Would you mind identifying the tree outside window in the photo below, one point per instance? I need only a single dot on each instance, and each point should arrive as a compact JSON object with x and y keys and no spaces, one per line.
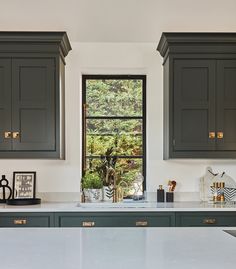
{"x":114,"y":126}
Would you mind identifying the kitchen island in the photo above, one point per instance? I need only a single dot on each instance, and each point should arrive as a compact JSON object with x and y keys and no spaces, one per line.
{"x":117,"y":248}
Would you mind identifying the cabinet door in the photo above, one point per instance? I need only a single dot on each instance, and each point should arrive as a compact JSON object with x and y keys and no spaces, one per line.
{"x":112,"y":219}
{"x":5,"y":103}
{"x":21,"y":220}
{"x":194,"y":104}
{"x":205,"y":219}
{"x":226,"y":104}
{"x":33,"y":104}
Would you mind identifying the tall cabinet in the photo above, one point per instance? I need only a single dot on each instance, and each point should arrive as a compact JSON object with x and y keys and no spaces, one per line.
{"x":32,"y":94}
{"x":199,"y":94}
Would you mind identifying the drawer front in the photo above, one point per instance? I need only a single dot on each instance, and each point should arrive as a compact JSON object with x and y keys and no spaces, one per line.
{"x":26,"y":220}
{"x":114,"y":220}
{"x":206,"y":219}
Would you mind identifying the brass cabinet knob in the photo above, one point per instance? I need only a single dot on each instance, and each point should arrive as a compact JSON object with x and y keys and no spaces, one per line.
{"x":88,"y":223}
{"x":20,"y":221}
{"x":141,"y":223}
{"x":15,"y":135}
{"x":7,"y":135}
{"x":220,"y":135}
{"x":209,"y":221}
{"x":212,"y":135}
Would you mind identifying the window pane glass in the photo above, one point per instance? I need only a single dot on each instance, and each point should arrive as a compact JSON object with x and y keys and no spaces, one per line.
{"x":126,"y":169}
{"x":125,"y":136}
{"x":114,"y":126}
{"x":130,"y":145}
{"x":114,"y":97}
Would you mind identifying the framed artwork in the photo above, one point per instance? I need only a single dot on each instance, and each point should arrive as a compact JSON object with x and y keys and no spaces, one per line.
{"x":24,"y":184}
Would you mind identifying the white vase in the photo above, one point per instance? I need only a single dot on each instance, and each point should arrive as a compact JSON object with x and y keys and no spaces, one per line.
{"x":107,"y":193}
{"x":93,"y":195}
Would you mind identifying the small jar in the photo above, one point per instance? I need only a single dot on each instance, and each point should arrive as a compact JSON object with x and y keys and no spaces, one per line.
{"x":222,"y":193}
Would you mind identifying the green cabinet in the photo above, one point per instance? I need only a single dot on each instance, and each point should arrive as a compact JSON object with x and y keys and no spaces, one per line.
{"x":111,"y":219}
{"x":31,"y":94}
{"x":203,"y":219}
{"x":199,"y":95}
{"x":20,"y":220}
{"x":117,"y":219}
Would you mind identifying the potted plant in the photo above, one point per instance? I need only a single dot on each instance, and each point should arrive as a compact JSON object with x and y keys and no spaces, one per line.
{"x":92,"y":186}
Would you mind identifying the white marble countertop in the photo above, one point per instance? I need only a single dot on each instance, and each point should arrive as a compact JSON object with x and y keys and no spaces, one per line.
{"x":120,"y":207}
{"x":117,"y":248}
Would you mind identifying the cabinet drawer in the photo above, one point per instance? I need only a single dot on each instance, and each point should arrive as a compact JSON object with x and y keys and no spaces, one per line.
{"x":115,"y":220}
{"x":198,"y":219}
{"x":26,"y":220}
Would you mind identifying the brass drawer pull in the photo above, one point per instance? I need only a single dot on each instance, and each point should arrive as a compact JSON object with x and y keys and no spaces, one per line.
{"x":20,"y":221}
{"x":209,"y":221}
{"x":212,"y":135}
{"x":220,"y":135}
{"x":141,"y":223}
{"x":15,"y":135}
{"x":88,"y":223}
{"x":7,"y":135}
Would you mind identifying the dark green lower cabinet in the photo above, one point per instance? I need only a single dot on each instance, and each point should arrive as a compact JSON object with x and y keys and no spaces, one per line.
{"x":204,"y":219}
{"x":118,"y":219}
{"x":129,"y":219}
{"x":26,"y":220}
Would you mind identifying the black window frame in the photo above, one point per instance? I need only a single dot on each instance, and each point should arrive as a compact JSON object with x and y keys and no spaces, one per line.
{"x":143,"y":118}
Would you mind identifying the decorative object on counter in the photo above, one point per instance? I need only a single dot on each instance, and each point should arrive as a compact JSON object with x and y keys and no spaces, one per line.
{"x":171,"y":185}
{"x":24,"y":201}
{"x":169,"y":196}
{"x":170,"y":192}
{"x":92,"y":187}
{"x":160,"y":194}
{"x":206,"y":185}
{"x":137,"y":186}
{"x":24,"y":184}
{"x":24,"y":188}
{"x":4,"y":184}
{"x":227,"y":195}
{"x":108,"y":174}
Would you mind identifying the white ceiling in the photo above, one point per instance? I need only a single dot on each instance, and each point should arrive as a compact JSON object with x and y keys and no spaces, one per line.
{"x":117,"y":20}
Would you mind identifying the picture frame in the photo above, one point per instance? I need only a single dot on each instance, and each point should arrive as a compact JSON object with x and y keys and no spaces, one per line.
{"x":24,"y":185}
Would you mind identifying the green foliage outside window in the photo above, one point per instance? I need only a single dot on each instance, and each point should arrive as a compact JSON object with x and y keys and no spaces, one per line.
{"x":109,"y":99}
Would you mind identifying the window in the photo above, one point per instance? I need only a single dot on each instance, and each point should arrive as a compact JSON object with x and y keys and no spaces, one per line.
{"x":114,"y":125}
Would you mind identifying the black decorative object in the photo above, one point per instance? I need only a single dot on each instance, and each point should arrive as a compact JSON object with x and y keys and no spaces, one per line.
{"x":169,"y":197}
{"x":26,"y":201}
{"x":4,"y":184}
{"x":160,"y":194}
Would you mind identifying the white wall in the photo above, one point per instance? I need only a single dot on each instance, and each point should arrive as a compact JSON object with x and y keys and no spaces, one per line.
{"x":121,"y":58}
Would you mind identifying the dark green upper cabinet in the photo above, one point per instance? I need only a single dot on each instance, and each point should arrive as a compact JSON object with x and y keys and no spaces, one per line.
{"x":32,"y":94}
{"x":199,"y":94}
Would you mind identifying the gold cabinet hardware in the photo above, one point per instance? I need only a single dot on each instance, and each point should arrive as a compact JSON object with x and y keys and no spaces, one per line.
{"x":141,"y":223}
{"x":15,"y":135}
{"x":7,"y":135}
{"x":20,"y":221}
{"x":212,"y":135}
{"x":220,"y":135}
{"x":88,"y":223}
{"x":209,"y":221}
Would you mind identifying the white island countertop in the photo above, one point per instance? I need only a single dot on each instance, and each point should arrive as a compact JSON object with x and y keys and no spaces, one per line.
{"x":117,"y":248}
{"x":121,"y":207}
